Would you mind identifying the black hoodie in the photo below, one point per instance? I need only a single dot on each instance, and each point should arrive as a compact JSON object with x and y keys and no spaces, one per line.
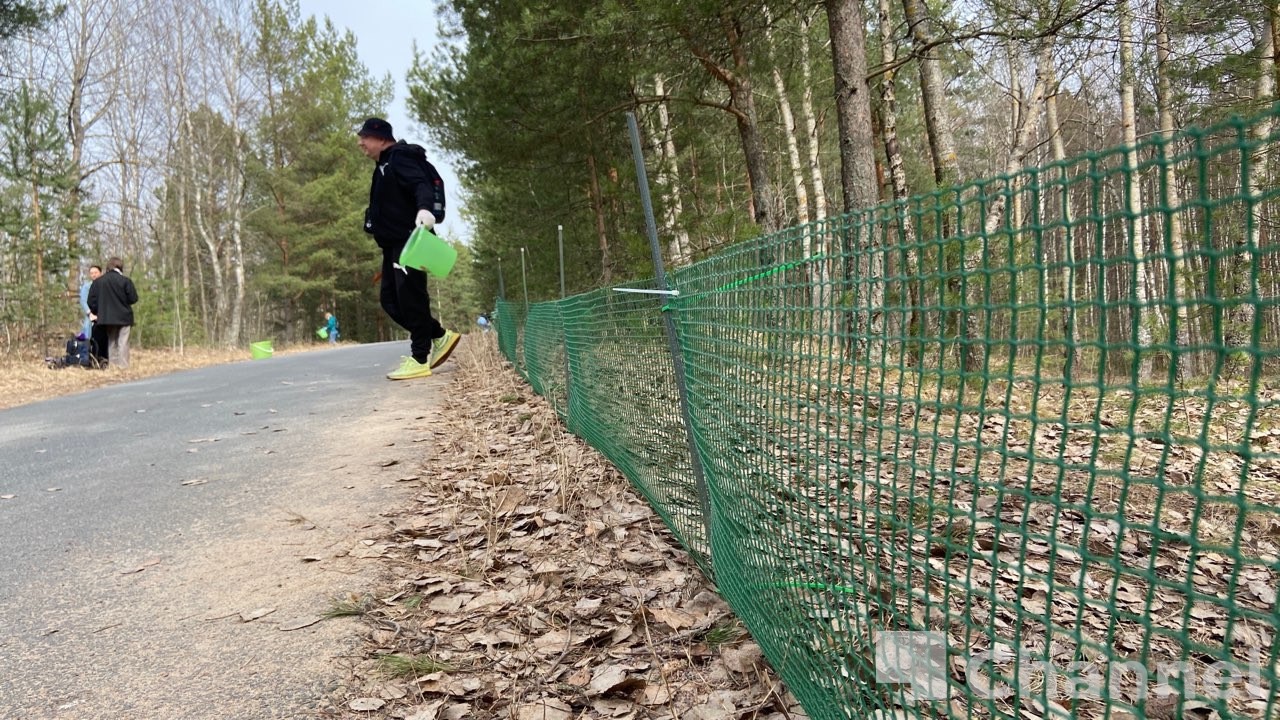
{"x":403,"y":183}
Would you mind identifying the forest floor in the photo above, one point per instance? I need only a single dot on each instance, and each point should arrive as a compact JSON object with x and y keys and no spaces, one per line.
{"x":529,"y":581}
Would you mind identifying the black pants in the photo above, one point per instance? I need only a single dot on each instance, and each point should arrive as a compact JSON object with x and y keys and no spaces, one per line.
{"x":404,"y":297}
{"x":99,"y":338}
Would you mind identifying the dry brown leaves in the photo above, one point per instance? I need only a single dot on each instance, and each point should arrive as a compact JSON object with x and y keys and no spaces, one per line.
{"x":27,"y":379}
{"x":534,"y":584}
{"x":1105,"y":528}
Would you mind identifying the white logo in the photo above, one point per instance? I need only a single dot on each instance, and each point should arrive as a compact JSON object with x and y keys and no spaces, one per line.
{"x":918,"y":659}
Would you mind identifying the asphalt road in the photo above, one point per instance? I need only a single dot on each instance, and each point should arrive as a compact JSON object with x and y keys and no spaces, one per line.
{"x":142,"y":523}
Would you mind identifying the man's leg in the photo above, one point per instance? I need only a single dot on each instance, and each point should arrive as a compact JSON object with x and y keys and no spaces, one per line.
{"x":414,"y":306}
{"x":100,"y":343}
{"x":122,"y":344}
{"x":387,"y":289}
{"x":113,"y":346}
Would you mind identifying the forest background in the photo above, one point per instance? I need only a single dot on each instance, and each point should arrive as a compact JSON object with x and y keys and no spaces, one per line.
{"x":211,"y":145}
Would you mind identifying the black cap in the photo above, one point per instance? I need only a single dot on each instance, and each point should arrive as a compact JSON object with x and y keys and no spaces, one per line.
{"x":376,"y":127}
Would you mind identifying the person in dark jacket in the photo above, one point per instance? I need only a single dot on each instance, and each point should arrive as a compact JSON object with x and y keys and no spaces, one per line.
{"x":111,"y":300}
{"x":406,"y":192}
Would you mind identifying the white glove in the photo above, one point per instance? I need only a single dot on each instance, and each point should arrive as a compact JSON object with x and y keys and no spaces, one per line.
{"x":425,"y":219}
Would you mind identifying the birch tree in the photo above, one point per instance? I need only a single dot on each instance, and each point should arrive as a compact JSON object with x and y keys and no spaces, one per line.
{"x":813,"y":141}
{"x":668,"y":179}
{"x":1256,"y":177}
{"x":1022,"y":132}
{"x":1065,"y":235}
{"x":906,"y":236}
{"x":1144,"y":314}
{"x":81,"y":67}
{"x":788,"y":129}
{"x":1179,"y":267}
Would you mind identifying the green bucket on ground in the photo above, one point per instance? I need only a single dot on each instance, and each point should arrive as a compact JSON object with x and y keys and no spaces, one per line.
{"x":427,"y":251}
{"x":261,"y":350}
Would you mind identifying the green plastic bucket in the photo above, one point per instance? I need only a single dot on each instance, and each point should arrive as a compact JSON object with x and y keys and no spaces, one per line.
{"x":323,"y":333}
{"x":427,"y":251}
{"x":261,"y":350}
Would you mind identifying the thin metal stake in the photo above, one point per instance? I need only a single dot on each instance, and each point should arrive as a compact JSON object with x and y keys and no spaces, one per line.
{"x":673,"y":341}
{"x":524,"y":280}
{"x":568,"y":373}
{"x":560,"y":242}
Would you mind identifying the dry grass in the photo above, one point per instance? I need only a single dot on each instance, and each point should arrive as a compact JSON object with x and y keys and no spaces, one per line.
{"x":27,"y":379}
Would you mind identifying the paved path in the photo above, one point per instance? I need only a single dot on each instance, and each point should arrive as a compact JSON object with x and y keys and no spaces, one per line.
{"x":146,"y":518}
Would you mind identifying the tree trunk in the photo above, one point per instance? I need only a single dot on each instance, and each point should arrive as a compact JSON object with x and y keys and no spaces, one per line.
{"x":37,"y":240}
{"x":198,"y":210}
{"x":236,"y":197}
{"x":788,"y":130}
{"x":743,"y":108}
{"x":1172,"y":195}
{"x":821,"y":270}
{"x":970,"y":356}
{"x":863,"y":258}
{"x":1144,"y":316}
{"x":83,"y":35}
{"x":597,"y":209}
{"x":897,"y":170}
{"x":811,"y":125}
{"x":937,"y":121}
{"x":678,"y":249}
{"x":1256,"y":178}
{"x":1067,"y":232}
{"x":946,"y":164}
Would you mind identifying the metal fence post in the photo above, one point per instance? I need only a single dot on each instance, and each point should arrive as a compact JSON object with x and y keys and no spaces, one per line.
{"x":560,"y":242}
{"x":524,"y":281}
{"x":568,"y":397}
{"x":502,"y":290}
{"x":673,"y":341}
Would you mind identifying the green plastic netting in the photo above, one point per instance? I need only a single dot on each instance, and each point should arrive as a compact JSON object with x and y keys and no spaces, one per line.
{"x":1008,"y":450}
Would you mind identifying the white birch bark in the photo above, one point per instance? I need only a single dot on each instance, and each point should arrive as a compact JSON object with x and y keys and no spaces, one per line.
{"x":1264,"y":95}
{"x":788,"y":130}
{"x":1054,"y":128}
{"x":1022,"y":134}
{"x":811,"y":124}
{"x":679,"y":248}
{"x":1172,"y":194}
{"x":1144,"y":313}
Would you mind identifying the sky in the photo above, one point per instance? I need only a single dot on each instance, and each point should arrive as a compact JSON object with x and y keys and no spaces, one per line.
{"x":385,"y":32}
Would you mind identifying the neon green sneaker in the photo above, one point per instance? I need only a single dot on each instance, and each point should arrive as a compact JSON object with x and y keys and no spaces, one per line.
{"x":441,"y":347}
{"x":409,"y":368}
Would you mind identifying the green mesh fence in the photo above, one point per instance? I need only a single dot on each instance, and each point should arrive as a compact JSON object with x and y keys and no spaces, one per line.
{"x":544,"y":358}
{"x":1009,"y":450}
{"x":509,"y":323}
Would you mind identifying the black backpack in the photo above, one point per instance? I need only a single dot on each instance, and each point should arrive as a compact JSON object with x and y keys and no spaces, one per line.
{"x":78,"y":353}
